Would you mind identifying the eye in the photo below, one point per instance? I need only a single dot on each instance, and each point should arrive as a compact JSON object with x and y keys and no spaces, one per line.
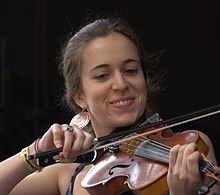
{"x":101,"y":76}
{"x":131,"y":71}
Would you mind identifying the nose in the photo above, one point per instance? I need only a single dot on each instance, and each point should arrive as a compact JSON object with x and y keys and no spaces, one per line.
{"x":119,"y":82}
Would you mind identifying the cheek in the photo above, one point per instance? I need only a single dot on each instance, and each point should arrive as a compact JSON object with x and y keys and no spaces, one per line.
{"x":93,"y":97}
{"x":143,"y":90}
{"x":142,"y":86}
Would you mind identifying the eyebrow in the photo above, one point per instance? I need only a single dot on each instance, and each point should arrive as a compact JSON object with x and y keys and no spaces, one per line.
{"x":99,"y":66}
{"x":131,"y":60}
{"x":107,"y":65}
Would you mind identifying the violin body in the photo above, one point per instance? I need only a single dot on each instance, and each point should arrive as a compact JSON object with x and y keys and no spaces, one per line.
{"x":124,"y":171}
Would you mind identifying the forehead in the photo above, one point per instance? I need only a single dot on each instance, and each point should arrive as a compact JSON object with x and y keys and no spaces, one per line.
{"x":109,"y":49}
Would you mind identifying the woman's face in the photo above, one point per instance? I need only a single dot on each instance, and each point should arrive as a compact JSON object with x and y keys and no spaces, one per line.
{"x":113,"y":87}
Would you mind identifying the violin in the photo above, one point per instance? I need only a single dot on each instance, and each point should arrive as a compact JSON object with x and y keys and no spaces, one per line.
{"x":141,"y":164}
{"x":138,"y":161}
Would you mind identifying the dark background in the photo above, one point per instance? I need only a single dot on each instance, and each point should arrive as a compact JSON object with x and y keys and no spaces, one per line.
{"x":32,"y":32}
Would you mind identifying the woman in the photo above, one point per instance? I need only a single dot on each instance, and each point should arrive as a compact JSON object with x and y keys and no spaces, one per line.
{"x":106,"y":74}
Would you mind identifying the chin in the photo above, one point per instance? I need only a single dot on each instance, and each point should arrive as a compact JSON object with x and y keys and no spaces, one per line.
{"x":124,"y":122}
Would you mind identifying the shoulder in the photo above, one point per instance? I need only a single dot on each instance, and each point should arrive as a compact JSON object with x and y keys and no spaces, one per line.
{"x":65,"y":173}
{"x":59,"y":168}
{"x":62,"y":172}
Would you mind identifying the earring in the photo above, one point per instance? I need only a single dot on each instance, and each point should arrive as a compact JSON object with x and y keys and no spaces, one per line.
{"x":81,"y":119}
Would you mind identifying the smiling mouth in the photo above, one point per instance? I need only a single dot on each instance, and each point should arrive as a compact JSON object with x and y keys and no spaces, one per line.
{"x":123,"y":102}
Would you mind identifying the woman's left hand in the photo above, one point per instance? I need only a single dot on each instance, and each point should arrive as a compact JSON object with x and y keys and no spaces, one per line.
{"x":183,"y":174}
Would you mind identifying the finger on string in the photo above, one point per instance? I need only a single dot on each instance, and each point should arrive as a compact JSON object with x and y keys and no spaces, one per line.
{"x":173,"y":156}
{"x":193,"y":163}
{"x":190,"y":148}
{"x":180,"y":154}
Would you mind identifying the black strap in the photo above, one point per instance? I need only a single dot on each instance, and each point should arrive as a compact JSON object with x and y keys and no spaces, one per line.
{"x":73,"y":177}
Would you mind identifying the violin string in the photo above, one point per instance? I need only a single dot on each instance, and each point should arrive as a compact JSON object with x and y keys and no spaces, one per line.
{"x":208,"y":167}
{"x":156,"y":144}
{"x":212,"y":171}
{"x":162,"y":150}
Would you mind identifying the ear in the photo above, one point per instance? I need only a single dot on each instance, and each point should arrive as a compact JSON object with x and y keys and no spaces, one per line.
{"x":80,"y":99}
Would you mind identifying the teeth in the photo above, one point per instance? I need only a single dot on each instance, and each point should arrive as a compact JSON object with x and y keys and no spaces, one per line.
{"x":122,"y":102}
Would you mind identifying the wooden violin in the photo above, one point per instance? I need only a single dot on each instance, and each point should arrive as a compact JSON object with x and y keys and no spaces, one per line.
{"x":141,"y":164}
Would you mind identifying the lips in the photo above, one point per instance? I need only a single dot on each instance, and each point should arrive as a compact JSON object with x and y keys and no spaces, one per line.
{"x":122,"y":102}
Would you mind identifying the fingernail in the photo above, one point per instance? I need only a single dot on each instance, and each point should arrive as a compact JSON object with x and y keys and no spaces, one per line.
{"x":59,"y":145}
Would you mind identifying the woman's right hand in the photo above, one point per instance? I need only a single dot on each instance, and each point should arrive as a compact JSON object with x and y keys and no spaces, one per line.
{"x":73,"y":143}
